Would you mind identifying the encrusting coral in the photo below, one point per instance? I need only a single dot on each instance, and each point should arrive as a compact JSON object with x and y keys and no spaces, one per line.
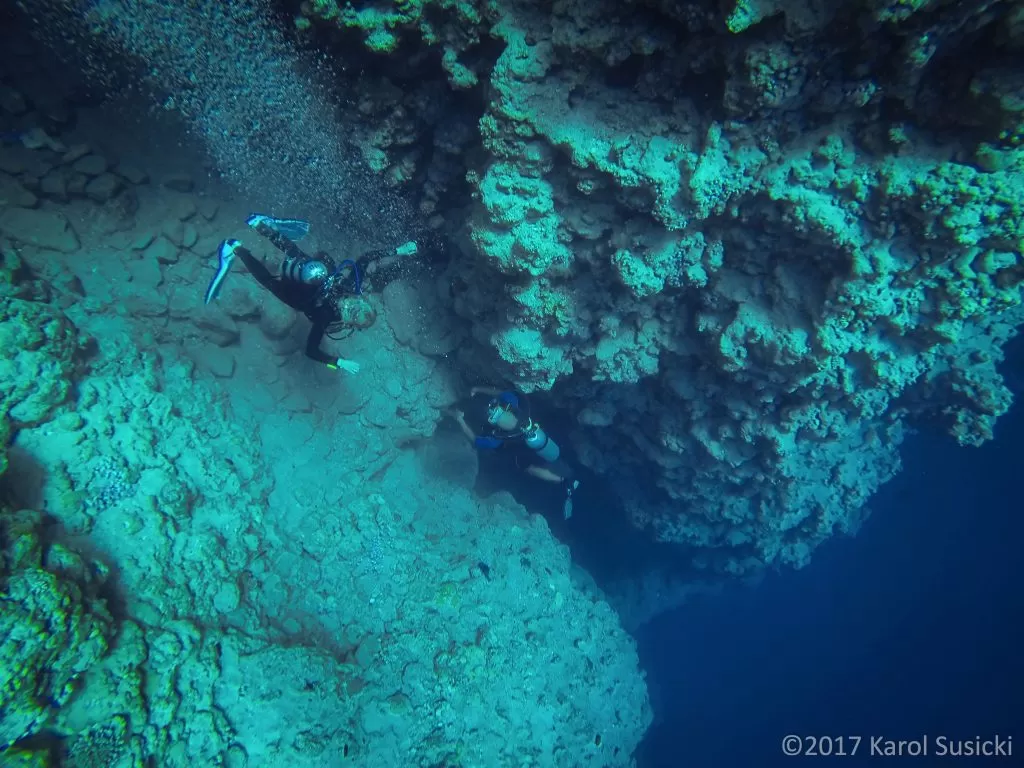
{"x":744,"y":272}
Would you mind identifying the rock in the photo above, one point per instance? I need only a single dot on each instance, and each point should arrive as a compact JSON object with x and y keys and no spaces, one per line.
{"x":55,"y":111}
{"x":75,"y":152}
{"x":218,"y":327}
{"x":54,"y":185}
{"x":207,"y":245}
{"x":179,"y":182}
{"x":76,"y":184}
{"x":13,"y":193}
{"x":174,"y":231}
{"x":131,"y":174}
{"x":15,"y":160}
{"x":208,"y":208}
{"x":46,"y":229}
{"x":145,"y":274}
{"x":185,"y":303}
{"x":162,"y":250}
{"x":90,"y":165}
{"x":417,"y":320}
{"x":182,"y":208}
{"x":37,"y":138}
{"x":219,"y":361}
{"x":297,"y":401}
{"x":126,"y":204}
{"x":103,"y":187}
{"x":190,"y":236}
{"x":142,"y":241}
{"x":11,"y":101}
{"x":121,"y":241}
{"x":145,"y":305}
{"x":276,"y":319}
{"x":119,"y":215}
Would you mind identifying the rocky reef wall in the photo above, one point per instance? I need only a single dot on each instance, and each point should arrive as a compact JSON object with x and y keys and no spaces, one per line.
{"x":744,"y":243}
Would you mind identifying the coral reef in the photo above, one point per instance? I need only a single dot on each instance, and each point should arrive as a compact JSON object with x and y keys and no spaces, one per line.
{"x":743,"y":242}
{"x":54,"y":624}
{"x":300,"y":576}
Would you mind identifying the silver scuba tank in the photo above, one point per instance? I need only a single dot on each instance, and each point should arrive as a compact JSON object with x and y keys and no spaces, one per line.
{"x":306,"y":271}
{"x":537,"y":439}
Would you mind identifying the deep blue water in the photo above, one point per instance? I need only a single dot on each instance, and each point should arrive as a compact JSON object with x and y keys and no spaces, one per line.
{"x":911,"y":628}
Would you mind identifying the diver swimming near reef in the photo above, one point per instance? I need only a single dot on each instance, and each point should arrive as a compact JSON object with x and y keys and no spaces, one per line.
{"x":316,"y":286}
{"x":501,"y":420}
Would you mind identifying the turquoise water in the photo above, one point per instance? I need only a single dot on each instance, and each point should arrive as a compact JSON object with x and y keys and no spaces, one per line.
{"x":754,"y":267}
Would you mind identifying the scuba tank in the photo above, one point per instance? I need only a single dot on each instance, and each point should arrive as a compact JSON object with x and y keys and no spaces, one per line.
{"x":538,"y":440}
{"x":306,"y":271}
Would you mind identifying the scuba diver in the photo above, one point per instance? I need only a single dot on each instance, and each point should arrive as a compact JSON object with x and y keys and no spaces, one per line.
{"x":316,"y":286}
{"x":502,"y":420}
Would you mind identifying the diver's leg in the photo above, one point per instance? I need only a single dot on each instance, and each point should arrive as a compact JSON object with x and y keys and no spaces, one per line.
{"x":256,"y":268}
{"x":259,"y":270}
{"x":282,"y":243}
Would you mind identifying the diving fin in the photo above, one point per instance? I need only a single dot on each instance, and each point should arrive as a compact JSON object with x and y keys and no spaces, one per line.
{"x":293,"y":229}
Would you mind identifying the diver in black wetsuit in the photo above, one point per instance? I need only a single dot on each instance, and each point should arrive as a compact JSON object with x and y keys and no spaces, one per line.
{"x":314,"y":285}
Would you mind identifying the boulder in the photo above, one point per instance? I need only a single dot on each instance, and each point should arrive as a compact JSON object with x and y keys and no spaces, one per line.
{"x":142,"y":241}
{"x":181,"y":208}
{"x":208,"y":208}
{"x":145,"y":305}
{"x":217,"y":360}
{"x":45,"y":229}
{"x":144,"y":274}
{"x":77,"y":183}
{"x":179,"y":182}
{"x":74,"y":153}
{"x":189,"y":236}
{"x":13,"y":193}
{"x":37,"y":138}
{"x":90,"y":165}
{"x":15,"y":159}
{"x":174,"y":231}
{"x":277,"y":319}
{"x":218,"y":327}
{"x":417,"y":319}
{"x":161,"y":251}
{"x":131,"y":174}
{"x":54,"y":185}
{"x":103,"y":187}
{"x":11,"y":101}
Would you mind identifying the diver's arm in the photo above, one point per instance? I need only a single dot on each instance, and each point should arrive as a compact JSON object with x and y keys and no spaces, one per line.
{"x":382,"y":266}
{"x":460,"y":419}
{"x":313,"y":351}
{"x":491,"y":391}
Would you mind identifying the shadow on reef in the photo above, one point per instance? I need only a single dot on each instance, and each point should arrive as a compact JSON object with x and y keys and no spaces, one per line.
{"x":599,"y":534}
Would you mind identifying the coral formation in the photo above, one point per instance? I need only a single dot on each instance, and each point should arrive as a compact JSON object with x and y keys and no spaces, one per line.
{"x":716,"y":206}
{"x":745,"y":245}
{"x":298,"y":576}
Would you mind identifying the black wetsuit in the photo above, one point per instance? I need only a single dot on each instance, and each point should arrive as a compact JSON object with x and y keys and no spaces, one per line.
{"x":320,"y":308}
{"x":492,"y":440}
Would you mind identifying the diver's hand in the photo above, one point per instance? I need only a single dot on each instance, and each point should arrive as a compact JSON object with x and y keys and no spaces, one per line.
{"x":348,"y":366}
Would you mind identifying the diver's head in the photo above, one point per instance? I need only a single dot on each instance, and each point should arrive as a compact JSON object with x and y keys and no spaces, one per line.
{"x":356,"y":312}
{"x":502,"y":416}
{"x":305,"y":271}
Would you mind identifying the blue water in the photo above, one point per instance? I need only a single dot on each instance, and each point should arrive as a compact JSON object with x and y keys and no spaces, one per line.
{"x":912,"y":628}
